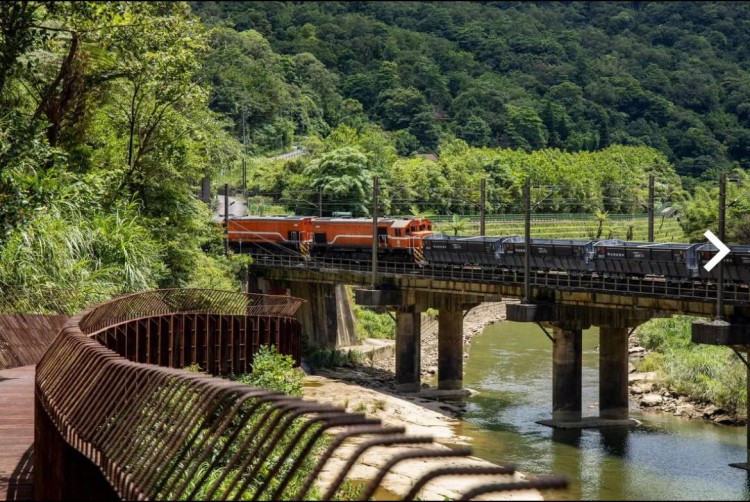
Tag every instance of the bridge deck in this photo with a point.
(16, 432)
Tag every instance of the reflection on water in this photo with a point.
(665, 458)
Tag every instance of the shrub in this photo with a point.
(274, 371)
(334, 358)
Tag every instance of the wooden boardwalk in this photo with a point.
(16, 432)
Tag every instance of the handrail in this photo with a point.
(109, 427)
(166, 301)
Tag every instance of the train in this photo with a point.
(412, 240)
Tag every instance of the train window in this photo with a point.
(407, 231)
(398, 232)
(421, 227)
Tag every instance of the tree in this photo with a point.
(458, 224)
(525, 128)
(344, 180)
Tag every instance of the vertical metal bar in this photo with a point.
(244, 173)
(320, 202)
(482, 202)
(244, 150)
(375, 189)
(651, 208)
(226, 219)
(527, 241)
(722, 228)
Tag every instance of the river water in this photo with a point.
(665, 458)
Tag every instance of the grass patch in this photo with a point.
(704, 373)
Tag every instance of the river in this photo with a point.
(665, 458)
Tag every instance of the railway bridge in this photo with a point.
(566, 303)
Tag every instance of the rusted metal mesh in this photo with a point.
(168, 301)
(24, 338)
(168, 434)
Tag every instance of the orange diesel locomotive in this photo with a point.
(398, 239)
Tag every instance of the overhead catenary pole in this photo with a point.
(722, 228)
(226, 219)
(375, 189)
(527, 241)
(482, 203)
(244, 151)
(320, 201)
(651, 208)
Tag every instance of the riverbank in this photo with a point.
(370, 389)
(653, 394)
(378, 372)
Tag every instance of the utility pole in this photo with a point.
(375, 190)
(651, 208)
(320, 202)
(527, 241)
(226, 219)
(482, 202)
(722, 229)
(244, 151)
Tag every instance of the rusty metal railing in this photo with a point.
(168, 301)
(108, 427)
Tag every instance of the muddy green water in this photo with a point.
(665, 458)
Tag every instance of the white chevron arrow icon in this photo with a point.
(723, 250)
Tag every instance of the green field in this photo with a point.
(568, 226)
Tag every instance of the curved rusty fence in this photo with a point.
(217, 330)
(110, 427)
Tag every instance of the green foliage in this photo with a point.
(344, 179)
(319, 358)
(705, 373)
(274, 371)
(373, 325)
(700, 211)
(105, 134)
(529, 75)
(63, 261)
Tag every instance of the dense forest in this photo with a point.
(111, 114)
(529, 75)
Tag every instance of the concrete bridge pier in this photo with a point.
(613, 373)
(567, 372)
(569, 322)
(325, 317)
(408, 349)
(451, 347)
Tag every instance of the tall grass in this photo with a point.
(704, 373)
(63, 261)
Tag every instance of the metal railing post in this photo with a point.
(651, 208)
(482, 202)
(527, 241)
(226, 219)
(722, 235)
(375, 189)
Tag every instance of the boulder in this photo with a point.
(649, 400)
(723, 419)
(709, 410)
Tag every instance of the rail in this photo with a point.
(110, 427)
